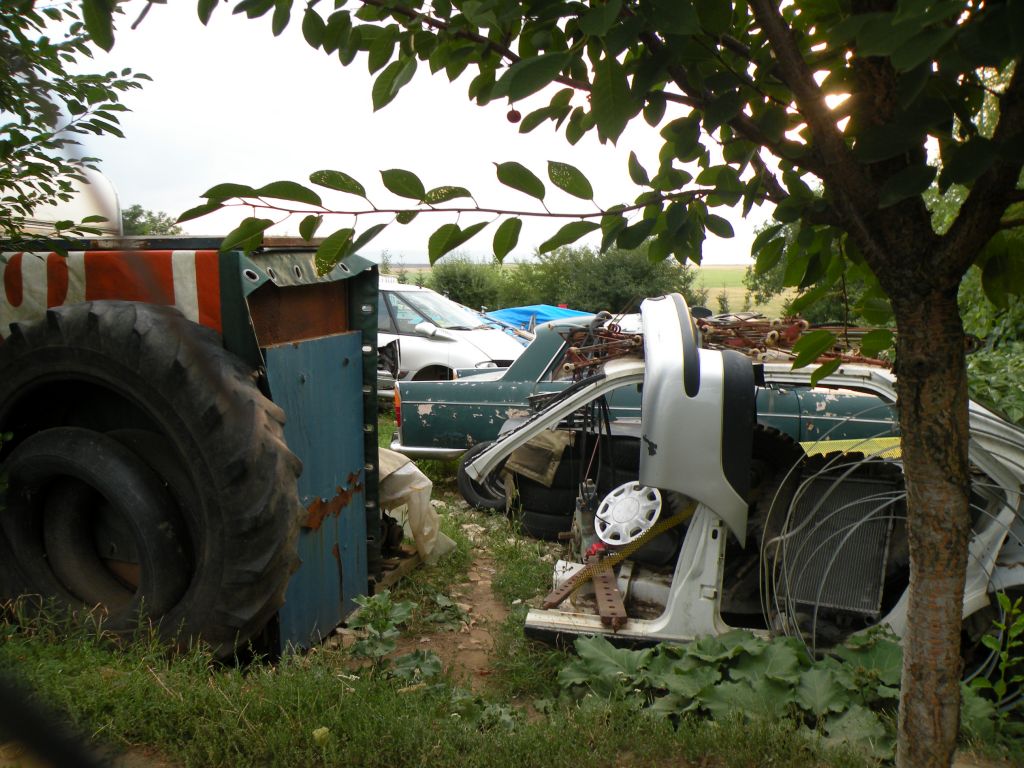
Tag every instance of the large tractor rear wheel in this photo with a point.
(147, 474)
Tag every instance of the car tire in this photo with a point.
(487, 496)
(190, 433)
(540, 525)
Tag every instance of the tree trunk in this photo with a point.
(932, 388)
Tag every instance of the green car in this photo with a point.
(442, 419)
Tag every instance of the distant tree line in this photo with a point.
(579, 277)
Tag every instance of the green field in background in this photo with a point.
(730, 280)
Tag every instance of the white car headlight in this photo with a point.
(486, 364)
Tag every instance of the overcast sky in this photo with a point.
(229, 102)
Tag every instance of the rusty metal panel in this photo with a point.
(319, 385)
(296, 313)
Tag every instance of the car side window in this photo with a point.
(384, 321)
(406, 318)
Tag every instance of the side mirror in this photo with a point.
(427, 328)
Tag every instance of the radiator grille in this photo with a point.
(838, 544)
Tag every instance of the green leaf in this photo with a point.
(368, 234)
(246, 236)
(339, 181)
(967, 162)
(718, 226)
(404, 217)
(886, 141)
(880, 657)
(529, 75)
(514, 175)
(819, 693)
(674, 17)
(569, 179)
(605, 660)
(313, 28)
(910, 182)
(390, 81)
(333, 249)
(289, 190)
(690, 683)
(309, 225)
(715, 15)
(778, 661)
(811, 346)
(922, 47)
(860, 728)
(761, 700)
(205, 10)
(721, 109)
(727, 646)
(637, 172)
(570, 233)
(506, 238)
(600, 18)
(222, 192)
(282, 15)
(824, 370)
(444, 194)
(634, 235)
(99, 23)
(200, 210)
(611, 101)
(403, 183)
(448, 237)
(874, 342)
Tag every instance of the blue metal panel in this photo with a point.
(319, 385)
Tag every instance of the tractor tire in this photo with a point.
(147, 474)
(484, 496)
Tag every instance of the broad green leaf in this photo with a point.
(390, 81)
(448, 237)
(605, 659)
(772, 122)
(313, 28)
(811, 346)
(600, 18)
(570, 233)
(98, 18)
(691, 683)
(778, 661)
(727, 646)
(715, 15)
(637, 172)
(634, 235)
(882, 658)
(1002, 269)
(368, 234)
(309, 225)
(569, 179)
(967, 162)
(978, 715)
(922, 47)
(825, 370)
(718, 225)
(514, 175)
(403, 183)
(909, 182)
(205, 10)
(874, 342)
(723, 108)
(611, 102)
(289, 190)
(761, 700)
(404, 217)
(338, 180)
(222, 192)
(860, 728)
(333, 249)
(200, 210)
(506, 238)
(93, 219)
(282, 15)
(674, 17)
(382, 46)
(886, 141)
(819, 693)
(762, 238)
(611, 225)
(529, 75)
(444, 194)
(246, 236)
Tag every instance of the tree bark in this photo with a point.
(932, 388)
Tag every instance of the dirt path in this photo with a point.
(466, 652)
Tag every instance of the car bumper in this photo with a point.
(425, 452)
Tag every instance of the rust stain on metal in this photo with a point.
(336, 551)
(319, 509)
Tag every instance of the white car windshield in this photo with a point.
(435, 308)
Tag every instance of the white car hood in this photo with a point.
(492, 343)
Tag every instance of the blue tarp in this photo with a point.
(525, 317)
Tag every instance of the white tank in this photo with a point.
(95, 198)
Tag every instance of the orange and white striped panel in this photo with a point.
(33, 282)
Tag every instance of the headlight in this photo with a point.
(486, 364)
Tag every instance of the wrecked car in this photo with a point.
(443, 419)
(721, 529)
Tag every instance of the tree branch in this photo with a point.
(981, 213)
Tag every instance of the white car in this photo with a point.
(436, 335)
